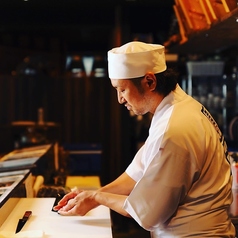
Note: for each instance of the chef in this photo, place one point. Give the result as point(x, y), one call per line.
point(179, 182)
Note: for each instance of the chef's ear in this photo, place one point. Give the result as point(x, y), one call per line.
point(151, 81)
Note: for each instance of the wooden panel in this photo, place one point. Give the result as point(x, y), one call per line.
point(229, 5)
point(207, 4)
point(219, 8)
point(220, 36)
point(181, 23)
point(208, 12)
point(195, 14)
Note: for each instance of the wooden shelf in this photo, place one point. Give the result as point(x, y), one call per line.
point(220, 36)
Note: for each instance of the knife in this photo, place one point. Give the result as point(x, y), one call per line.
point(23, 220)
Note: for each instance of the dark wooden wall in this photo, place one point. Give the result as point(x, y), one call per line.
point(85, 108)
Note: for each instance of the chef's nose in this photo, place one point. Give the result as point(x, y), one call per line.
point(120, 98)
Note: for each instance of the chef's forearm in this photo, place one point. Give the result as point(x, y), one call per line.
point(113, 201)
point(122, 185)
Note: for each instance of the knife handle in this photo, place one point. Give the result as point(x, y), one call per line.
point(27, 215)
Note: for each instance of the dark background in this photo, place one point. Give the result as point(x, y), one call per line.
point(39, 35)
point(85, 25)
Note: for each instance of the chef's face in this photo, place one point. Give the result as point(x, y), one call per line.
point(133, 97)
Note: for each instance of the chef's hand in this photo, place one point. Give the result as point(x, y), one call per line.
point(76, 203)
point(65, 200)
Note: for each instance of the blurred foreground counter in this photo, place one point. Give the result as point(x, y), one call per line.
point(22, 168)
point(23, 174)
point(46, 223)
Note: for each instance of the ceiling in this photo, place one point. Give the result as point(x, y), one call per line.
point(86, 24)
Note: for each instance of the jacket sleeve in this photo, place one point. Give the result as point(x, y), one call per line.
point(164, 185)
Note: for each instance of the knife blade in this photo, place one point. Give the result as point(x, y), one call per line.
point(23, 220)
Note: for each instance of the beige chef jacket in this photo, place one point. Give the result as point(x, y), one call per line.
point(183, 173)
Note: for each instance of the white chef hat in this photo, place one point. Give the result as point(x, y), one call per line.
point(135, 59)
